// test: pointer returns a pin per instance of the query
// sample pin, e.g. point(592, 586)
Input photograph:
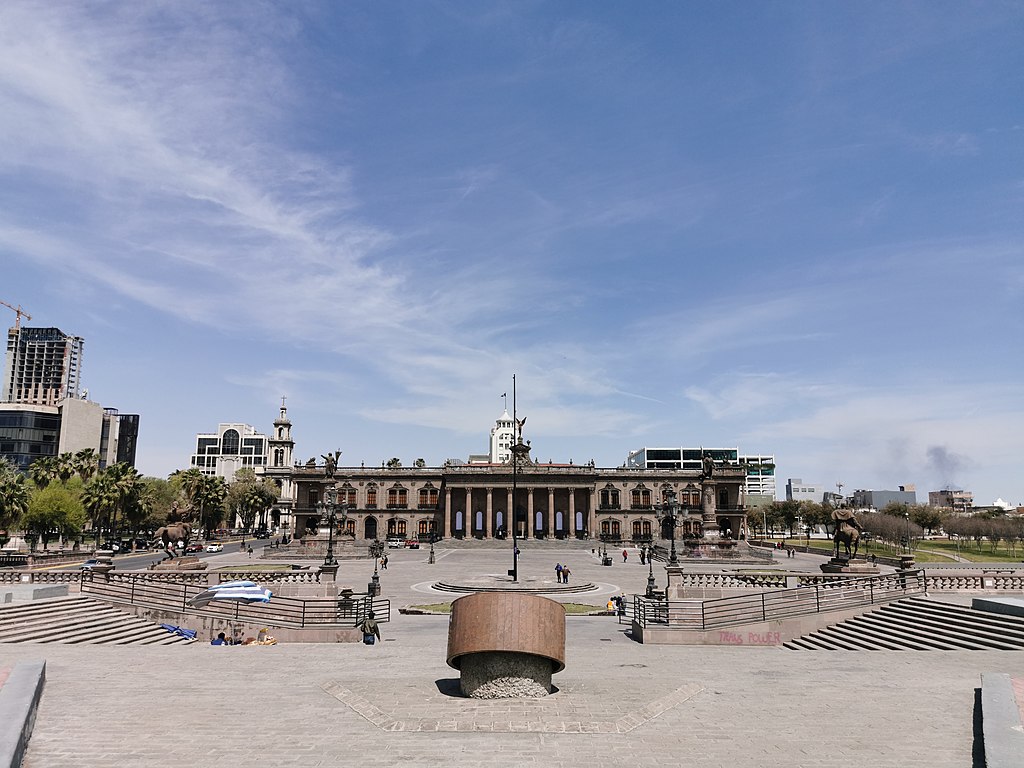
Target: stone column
point(571, 527)
point(489, 513)
point(510, 514)
point(708, 509)
point(592, 514)
point(446, 527)
point(530, 522)
point(550, 527)
point(469, 516)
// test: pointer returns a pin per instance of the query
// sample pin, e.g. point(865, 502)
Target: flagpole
point(514, 573)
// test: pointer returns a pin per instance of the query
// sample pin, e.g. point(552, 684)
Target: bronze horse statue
point(170, 534)
point(847, 533)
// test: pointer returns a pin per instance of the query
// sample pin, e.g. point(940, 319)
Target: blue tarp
point(186, 633)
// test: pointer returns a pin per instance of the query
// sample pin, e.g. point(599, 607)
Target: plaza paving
point(618, 703)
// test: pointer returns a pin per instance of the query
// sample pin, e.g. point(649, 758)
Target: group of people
point(617, 603)
point(562, 573)
point(264, 638)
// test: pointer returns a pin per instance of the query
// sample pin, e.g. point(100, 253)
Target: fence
point(779, 604)
point(146, 591)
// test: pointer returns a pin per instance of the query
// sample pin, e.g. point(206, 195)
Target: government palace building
point(476, 498)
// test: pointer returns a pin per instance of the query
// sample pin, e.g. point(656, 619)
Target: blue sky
point(792, 228)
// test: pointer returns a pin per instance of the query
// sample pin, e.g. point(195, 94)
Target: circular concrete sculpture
point(506, 644)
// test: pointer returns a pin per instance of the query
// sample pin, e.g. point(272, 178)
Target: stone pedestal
point(328, 573)
point(106, 561)
point(185, 563)
point(855, 567)
point(506, 644)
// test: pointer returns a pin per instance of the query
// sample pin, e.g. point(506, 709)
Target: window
point(428, 498)
point(609, 498)
point(398, 498)
point(229, 442)
point(640, 498)
point(371, 496)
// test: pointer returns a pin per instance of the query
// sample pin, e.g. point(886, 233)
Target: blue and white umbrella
point(234, 591)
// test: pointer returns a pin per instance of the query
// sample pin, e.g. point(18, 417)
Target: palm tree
point(65, 467)
point(87, 463)
point(99, 499)
point(14, 495)
point(43, 471)
point(126, 486)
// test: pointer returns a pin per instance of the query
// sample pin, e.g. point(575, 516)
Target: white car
point(214, 547)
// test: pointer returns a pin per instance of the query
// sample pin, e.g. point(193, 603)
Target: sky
point(792, 228)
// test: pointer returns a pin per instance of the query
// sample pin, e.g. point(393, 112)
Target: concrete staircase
point(78, 619)
point(918, 624)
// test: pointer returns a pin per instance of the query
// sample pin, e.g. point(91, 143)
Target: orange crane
point(20, 311)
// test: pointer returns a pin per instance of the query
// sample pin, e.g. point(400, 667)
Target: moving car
point(89, 564)
point(194, 547)
point(214, 547)
point(412, 543)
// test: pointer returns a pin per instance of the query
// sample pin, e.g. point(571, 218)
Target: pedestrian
point(873, 558)
point(643, 556)
point(565, 574)
point(558, 572)
point(625, 555)
point(250, 552)
point(369, 628)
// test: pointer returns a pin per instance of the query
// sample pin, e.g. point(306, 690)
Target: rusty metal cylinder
point(493, 623)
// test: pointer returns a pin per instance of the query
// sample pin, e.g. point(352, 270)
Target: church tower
point(280, 443)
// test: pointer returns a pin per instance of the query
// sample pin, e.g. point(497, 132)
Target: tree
point(249, 497)
point(43, 471)
point(87, 463)
point(927, 517)
point(55, 510)
point(66, 467)
point(99, 499)
point(14, 495)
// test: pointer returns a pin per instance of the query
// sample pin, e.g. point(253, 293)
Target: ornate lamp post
point(431, 560)
point(668, 512)
point(651, 586)
point(376, 549)
point(328, 511)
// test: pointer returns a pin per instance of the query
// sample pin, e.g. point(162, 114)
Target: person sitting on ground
point(219, 640)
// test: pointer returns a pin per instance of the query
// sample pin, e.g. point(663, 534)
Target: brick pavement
point(392, 704)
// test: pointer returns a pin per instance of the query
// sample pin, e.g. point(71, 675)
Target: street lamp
point(651, 586)
point(669, 513)
point(431, 560)
point(328, 510)
point(906, 514)
point(376, 549)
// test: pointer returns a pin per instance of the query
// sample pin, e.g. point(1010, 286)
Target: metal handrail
point(779, 604)
point(136, 589)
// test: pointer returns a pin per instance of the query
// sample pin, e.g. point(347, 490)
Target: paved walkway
point(619, 704)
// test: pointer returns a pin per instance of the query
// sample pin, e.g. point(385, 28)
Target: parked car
point(395, 543)
point(412, 543)
point(215, 547)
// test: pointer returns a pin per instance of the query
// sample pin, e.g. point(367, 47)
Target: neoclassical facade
point(485, 500)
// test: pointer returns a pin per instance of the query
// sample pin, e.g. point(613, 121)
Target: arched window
point(347, 495)
point(279, 457)
point(229, 442)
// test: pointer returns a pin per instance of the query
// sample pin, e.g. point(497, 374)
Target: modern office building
point(502, 434)
point(798, 490)
point(43, 366)
point(30, 432)
point(760, 468)
point(961, 502)
point(42, 412)
point(229, 449)
point(907, 494)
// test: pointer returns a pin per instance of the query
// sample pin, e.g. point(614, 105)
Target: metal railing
point(809, 598)
point(140, 589)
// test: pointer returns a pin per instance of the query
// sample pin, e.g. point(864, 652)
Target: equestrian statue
point(177, 531)
point(847, 532)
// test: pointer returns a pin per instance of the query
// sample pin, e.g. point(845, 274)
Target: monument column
point(592, 514)
point(530, 522)
point(469, 516)
point(446, 526)
point(488, 519)
point(571, 527)
point(550, 529)
point(708, 509)
point(510, 514)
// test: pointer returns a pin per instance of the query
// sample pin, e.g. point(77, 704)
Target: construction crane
point(20, 311)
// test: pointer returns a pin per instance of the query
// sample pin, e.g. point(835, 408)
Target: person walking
point(643, 555)
point(384, 562)
point(565, 574)
point(558, 572)
point(369, 628)
point(625, 555)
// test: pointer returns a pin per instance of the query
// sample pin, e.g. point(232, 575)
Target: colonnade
point(541, 511)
